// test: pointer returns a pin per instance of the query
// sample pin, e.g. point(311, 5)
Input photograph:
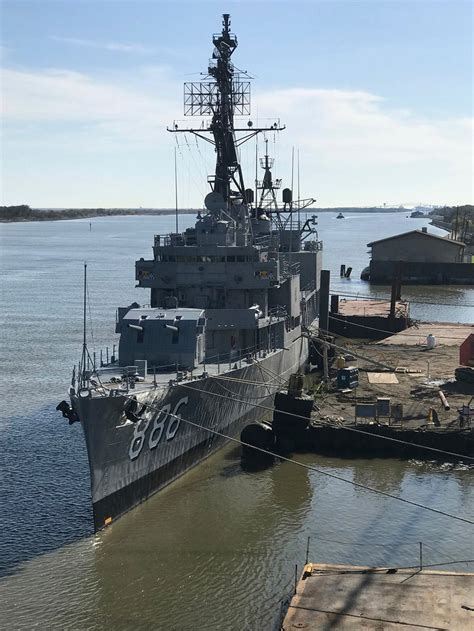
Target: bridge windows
point(204, 258)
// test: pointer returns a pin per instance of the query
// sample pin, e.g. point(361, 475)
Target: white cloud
point(58, 97)
point(354, 148)
point(112, 46)
point(359, 125)
point(358, 150)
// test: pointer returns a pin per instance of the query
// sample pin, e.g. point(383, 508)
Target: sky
point(376, 97)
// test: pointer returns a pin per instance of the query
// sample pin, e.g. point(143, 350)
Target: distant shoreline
point(9, 214)
point(22, 214)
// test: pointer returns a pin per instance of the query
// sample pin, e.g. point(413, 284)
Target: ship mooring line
point(363, 617)
point(263, 396)
point(350, 429)
point(383, 570)
point(274, 375)
point(219, 378)
point(315, 469)
point(374, 544)
point(223, 377)
point(370, 343)
point(323, 423)
point(396, 440)
point(358, 355)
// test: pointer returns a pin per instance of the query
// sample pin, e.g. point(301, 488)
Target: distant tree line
point(459, 220)
point(15, 213)
point(25, 213)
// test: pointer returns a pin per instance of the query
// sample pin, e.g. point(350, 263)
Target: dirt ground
point(421, 372)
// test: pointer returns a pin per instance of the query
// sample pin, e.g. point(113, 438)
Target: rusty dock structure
point(365, 318)
point(404, 397)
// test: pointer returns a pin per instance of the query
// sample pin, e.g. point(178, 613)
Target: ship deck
point(111, 377)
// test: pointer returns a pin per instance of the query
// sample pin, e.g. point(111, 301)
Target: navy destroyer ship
point(229, 299)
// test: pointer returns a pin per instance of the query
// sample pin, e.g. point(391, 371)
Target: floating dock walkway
point(353, 597)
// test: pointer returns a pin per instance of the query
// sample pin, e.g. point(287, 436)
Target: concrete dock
point(353, 597)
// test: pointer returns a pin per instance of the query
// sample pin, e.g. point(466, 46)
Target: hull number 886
point(165, 423)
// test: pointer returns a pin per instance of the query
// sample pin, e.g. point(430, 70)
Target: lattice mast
point(226, 95)
point(227, 166)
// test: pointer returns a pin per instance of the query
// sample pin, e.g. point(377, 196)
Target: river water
point(217, 549)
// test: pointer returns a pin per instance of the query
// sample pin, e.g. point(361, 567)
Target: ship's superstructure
point(228, 300)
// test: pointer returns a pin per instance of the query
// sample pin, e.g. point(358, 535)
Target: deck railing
point(223, 361)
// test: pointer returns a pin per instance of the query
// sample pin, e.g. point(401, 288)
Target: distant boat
point(416, 214)
point(340, 216)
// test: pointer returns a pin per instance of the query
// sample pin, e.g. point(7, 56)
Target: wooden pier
point(353, 597)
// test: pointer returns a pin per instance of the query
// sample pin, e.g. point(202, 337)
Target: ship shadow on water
point(240, 461)
point(254, 463)
point(44, 486)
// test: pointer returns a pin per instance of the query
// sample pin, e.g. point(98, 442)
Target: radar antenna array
point(222, 95)
point(201, 98)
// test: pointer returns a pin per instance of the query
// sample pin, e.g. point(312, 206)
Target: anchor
point(67, 412)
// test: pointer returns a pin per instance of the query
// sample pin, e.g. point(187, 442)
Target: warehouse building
point(419, 257)
point(417, 246)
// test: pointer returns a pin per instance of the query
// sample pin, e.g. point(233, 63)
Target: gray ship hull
point(129, 462)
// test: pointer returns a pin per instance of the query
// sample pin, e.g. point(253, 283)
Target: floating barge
point(367, 318)
point(406, 399)
point(355, 597)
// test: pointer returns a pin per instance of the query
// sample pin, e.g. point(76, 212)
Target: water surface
point(218, 548)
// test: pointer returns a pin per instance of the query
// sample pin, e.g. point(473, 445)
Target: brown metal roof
point(424, 234)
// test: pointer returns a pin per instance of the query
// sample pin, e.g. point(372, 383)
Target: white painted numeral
point(138, 438)
point(175, 419)
point(158, 427)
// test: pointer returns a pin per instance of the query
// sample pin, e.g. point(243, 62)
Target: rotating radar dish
point(214, 201)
